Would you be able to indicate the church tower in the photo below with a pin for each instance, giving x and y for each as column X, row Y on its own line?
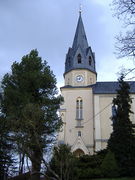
column 77, row 109
column 80, row 60
column 87, row 109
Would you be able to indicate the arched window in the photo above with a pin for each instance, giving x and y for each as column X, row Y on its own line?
column 79, row 133
column 79, row 108
column 90, row 60
column 79, row 59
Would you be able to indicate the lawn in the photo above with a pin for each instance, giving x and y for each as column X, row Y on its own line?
column 116, row 179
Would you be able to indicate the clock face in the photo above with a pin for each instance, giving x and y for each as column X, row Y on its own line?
column 79, row 78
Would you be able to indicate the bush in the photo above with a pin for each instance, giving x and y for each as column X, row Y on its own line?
column 109, row 167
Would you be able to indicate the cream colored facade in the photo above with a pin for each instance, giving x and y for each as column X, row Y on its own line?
column 71, row 125
column 88, row 77
column 87, row 109
column 96, row 125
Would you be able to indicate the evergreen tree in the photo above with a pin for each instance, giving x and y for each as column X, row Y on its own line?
column 6, row 160
column 122, row 139
column 6, row 147
column 30, row 105
column 109, row 167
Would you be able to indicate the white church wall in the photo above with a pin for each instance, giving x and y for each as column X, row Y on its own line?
column 71, row 128
column 102, row 122
column 102, row 114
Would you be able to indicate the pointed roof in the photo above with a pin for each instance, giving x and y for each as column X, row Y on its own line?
column 80, row 38
column 80, row 46
column 79, row 144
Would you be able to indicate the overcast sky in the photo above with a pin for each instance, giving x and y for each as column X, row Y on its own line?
column 49, row 26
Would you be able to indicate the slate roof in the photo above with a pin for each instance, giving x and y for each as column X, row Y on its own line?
column 80, row 38
column 110, row 87
column 80, row 47
column 105, row 87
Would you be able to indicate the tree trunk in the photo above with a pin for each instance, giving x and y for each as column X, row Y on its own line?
column 36, row 164
column 21, row 165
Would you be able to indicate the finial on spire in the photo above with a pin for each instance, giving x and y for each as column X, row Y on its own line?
column 80, row 9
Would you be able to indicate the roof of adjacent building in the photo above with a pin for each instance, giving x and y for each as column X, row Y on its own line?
column 105, row 87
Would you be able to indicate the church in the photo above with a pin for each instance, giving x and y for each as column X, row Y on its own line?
column 87, row 109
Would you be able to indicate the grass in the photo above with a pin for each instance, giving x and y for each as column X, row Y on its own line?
column 126, row 178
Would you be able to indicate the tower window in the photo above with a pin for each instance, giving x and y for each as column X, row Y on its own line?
column 79, row 109
column 79, row 133
column 79, row 59
column 90, row 60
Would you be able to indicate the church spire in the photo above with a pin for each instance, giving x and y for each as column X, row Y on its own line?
column 80, row 56
column 80, row 38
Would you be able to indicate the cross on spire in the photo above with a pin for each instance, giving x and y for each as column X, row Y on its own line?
column 80, row 9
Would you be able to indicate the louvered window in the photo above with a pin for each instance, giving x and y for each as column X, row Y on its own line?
column 79, row 59
column 90, row 60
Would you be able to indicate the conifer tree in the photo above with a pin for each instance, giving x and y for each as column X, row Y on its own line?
column 30, row 105
column 6, row 159
column 109, row 167
column 122, row 139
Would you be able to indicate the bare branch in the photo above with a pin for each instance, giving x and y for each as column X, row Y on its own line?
column 125, row 45
column 125, row 10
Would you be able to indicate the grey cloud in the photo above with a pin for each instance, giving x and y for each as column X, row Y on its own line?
column 49, row 26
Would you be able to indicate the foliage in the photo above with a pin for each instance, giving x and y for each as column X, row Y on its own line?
column 109, row 167
column 88, row 166
column 63, row 163
column 25, row 176
column 125, row 10
column 122, row 139
column 30, row 105
column 6, row 158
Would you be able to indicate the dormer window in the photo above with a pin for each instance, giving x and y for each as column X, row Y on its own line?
column 90, row 60
column 79, row 59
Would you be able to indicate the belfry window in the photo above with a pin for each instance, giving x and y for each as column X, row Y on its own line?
column 79, row 109
column 79, row 59
column 90, row 60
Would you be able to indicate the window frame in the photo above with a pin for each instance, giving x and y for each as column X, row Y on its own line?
column 79, row 109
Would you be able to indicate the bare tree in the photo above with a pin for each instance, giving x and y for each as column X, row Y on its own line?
column 125, row 11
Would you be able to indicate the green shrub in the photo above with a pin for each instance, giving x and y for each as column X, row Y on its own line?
column 109, row 167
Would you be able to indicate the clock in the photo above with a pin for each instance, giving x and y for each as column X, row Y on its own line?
column 79, row 78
